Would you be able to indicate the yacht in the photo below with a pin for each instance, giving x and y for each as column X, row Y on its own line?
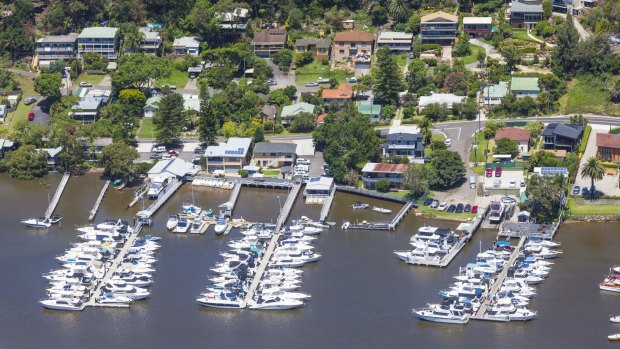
column 110, row 299
column 182, row 225
column 358, row 205
column 310, row 230
column 275, row 304
column 172, row 221
column 276, row 292
column 63, row 304
column 191, row 210
column 197, row 226
column 221, row 300
column 496, row 212
column 437, row 313
column 426, row 233
column 158, row 185
column 121, row 288
column 220, row 225
column 55, row 219
column 381, row 209
column 41, row 222
column 615, row 319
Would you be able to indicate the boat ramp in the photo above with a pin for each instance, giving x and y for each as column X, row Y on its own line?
column 93, row 212
column 54, row 202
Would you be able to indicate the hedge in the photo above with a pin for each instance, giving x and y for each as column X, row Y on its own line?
column 584, row 140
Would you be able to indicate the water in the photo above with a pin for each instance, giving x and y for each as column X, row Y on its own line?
column 361, row 295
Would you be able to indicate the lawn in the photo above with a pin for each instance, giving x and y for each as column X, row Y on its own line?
column 92, row 79
column 473, row 56
column 177, row 78
column 146, row 129
column 592, row 210
column 21, row 113
column 482, row 146
column 521, row 34
column 401, row 59
column 587, row 95
column 271, row 173
column 311, row 73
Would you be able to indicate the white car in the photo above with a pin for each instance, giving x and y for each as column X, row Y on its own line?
column 442, row 206
column 448, row 142
column 513, row 183
column 312, row 84
column 302, row 162
column 85, row 84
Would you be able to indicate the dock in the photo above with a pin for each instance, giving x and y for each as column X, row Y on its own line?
column 57, row 195
column 234, row 195
column 140, row 192
column 327, row 204
column 385, row 225
column 264, row 261
column 370, row 194
column 93, row 212
column 499, row 280
column 174, row 185
column 401, row 215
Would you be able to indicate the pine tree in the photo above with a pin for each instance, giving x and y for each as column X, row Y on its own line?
column 207, row 124
column 387, row 78
column 564, row 54
column 169, row 119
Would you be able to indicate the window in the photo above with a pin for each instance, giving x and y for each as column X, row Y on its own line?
column 352, row 45
column 341, row 52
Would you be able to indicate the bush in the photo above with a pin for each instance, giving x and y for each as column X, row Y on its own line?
column 304, row 58
column 243, row 173
column 432, row 62
column 584, row 140
column 430, row 47
column 383, row 185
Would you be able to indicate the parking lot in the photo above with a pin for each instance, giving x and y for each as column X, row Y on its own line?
column 507, row 180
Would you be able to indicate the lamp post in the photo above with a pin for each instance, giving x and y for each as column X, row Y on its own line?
column 475, row 154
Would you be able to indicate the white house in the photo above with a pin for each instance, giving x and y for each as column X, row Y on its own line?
column 187, row 45
column 229, row 157
column 173, row 168
column 447, row 99
column 318, row 189
column 3, row 113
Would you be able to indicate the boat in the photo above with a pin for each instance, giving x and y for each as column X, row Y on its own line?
column 309, row 230
column 381, row 209
column 209, row 212
column 345, row 225
column 41, row 222
column 221, row 300
column 119, row 184
column 358, row 205
column 275, row 304
column 108, row 298
column 614, row 337
column 496, row 212
column 55, row 219
column 320, row 224
column 63, row 304
column 197, row 226
column 221, row 225
column 158, row 185
column 437, row 313
column 182, row 225
column 614, row 319
column 172, row 221
column 191, row 210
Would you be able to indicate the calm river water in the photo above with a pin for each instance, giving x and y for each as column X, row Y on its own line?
column 361, row 295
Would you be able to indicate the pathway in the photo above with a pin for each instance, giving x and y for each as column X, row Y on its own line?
column 57, row 195
column 490, row 50
column 583, row 33
column 93, row 212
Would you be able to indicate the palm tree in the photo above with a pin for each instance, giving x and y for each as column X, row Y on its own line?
column 594, row 170
column 425, row 125
column 132, row 36
column 398, row 9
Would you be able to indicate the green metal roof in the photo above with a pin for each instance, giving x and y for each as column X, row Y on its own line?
column 369, row 109
column 524, row 84
column 497, row 90
column 294, row 109
column 98, row 32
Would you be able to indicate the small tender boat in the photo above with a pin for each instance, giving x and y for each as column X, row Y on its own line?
column 614, row 337
column 615, row 319
column 173, row 220
column 119, row 184
column 358, row 205
column 182, row 225
column 221, row 225
column 381, row 209
column 37, row 222
column 197, row 226
column 55, row 219
column 345, row 225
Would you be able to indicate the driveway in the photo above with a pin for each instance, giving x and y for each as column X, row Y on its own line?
column 609, row 184
column 446, row 54
column 282, row 79
column 580, row 29
column 490, row 50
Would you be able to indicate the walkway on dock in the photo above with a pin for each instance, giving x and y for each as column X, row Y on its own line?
column 234, row 195
column 284, row 213
column 500, row 279
column 93, row 212
column 116, row 262
column 371, row 193
column 140, row 192
column 327, row 204
column 401, row 215
column 170, row 189
column 57, row 195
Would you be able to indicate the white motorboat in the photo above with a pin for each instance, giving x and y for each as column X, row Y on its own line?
column 63, row 304
column 172, row 221
column 614, row 337
column 320, row 224
column 55, row 219
column 197, row 226
column 221, row 225
column 37, row 222
column 158, row 185
column 309, row 230
column 615, row 319
column 381, row 209
column 275, row 304
column 221, row 300
column 121, row 288
column 436, row 313
column 192, row 211
column 358, row 205
column 183, row 225
column 276, row 292
column 111, row 299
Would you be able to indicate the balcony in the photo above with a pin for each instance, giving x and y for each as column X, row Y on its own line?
column 400, row 146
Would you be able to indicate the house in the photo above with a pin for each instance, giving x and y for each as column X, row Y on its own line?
column 475, row 26
column 55, row 47
column 354, row 46
column 563, row 6
column 233, row 24
column 373, row 111
column 52, row 155
column 525, row 13
column 268, row 112
column 447, row 99
column 608, row 146
column 373, row 172
column 395, row 41
column 318, row 189
column 5, row 145
column 229, row 157
column 290, row 111
column 519, row 135
column 3, row 113
column 190, row 103
column 524, row 86
column 193, row 72
column 274, row 155
column 493, row 94
column 86, row 110
column 268, row 41
column 151, row 41
column 319, row 47
column 187, row 45
column 348, row 24
column 404, row 141
column 172, row 168
column 438, row 28
column 150, row 106
column 341, row 95
column 103, row 40
column 556, row 135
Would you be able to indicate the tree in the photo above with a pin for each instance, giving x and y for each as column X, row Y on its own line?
column 283, row 59
column 481, row 57
column 57, row 66
column 544, row 194
column 615, row 93
column 462, row 48
column 436, row 112
column 535, row 128
column 413, row 24
column 131, row 102
column 416, row 180
column 388, row 112
column 229, row 129
column 383, row 185
column 128, row 11
column 259, row 135
column 117, row 160
column 387, row 80
column 48, row 85
column 448, row 169
column 95, row 61
column 378, row 15
column 506, row 146
column 491, row 126
column 547, row 8
column 27, row 163
column 593, row 169
column 169, row 119
column 571, row 162
column 203, row 22
column 132, row 37
column 511, row 56
column 456, row 82
column 303, row 122
column 304, row 58
column 564, row 53
column 295, row 18
column 544, row 159
column 578, row 119
column 417, row 76
column 425, row 126
column 351, row 178
column 139, row 71
column 7, row 81
column 25, row 132
column 398, row 9
column 208, row 124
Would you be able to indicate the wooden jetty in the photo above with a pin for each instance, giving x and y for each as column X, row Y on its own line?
column 61, row 188
column 385, row 225
column 140, row 192
column 174, row 185
column 93, row 212
column 327, row 204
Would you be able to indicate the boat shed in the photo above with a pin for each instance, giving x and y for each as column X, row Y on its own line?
column 319, row 187
column 177, row 168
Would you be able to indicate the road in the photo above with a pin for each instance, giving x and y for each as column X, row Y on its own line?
column 282, row 79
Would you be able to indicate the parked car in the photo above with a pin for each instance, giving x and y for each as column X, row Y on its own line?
column 302, row 162
column 160, row 149
column 30, row 116
column 522, row 183
column 448, row 142
column 576, row 190
column 411, row 55
column 173, row 153
column 509, row 200
column 585, row 191
column 428, row 201
column 442, row 206
column 467, row 208
column 166, row 156
column 451, row 208
column 352, row 80
column 85, row 84
column 198, row 150
column 489, row 172
column 155, row 155
column 513, row 183
column 196, row 160
column 312, row 84
column 497, row 183
column 498, row 172
column 474, row 209
column 272, row 82
column 434, row 204
column 29, row 100
column 459, row 208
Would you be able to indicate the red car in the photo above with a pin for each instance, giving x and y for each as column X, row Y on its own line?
column 474, row 209
column 498, row 172
column 173, row 153
column 30, row 116
column 489, row 172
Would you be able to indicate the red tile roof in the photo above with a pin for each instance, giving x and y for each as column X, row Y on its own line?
column 344, row 91
column 514, row 133
column 320, row 119
column 392, row 168
column 354, row 36
column 607, row 141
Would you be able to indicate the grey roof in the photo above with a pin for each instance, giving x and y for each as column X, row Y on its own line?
column 268, row 110
column 6, row 143
column 264, row 147
column 71, row 37
column 149, row 33
column 98, row 32
column 568, row 131
column 186, row 41
column 325, row 43
column 88, row 104
column 176, row 166
column 518, row 6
